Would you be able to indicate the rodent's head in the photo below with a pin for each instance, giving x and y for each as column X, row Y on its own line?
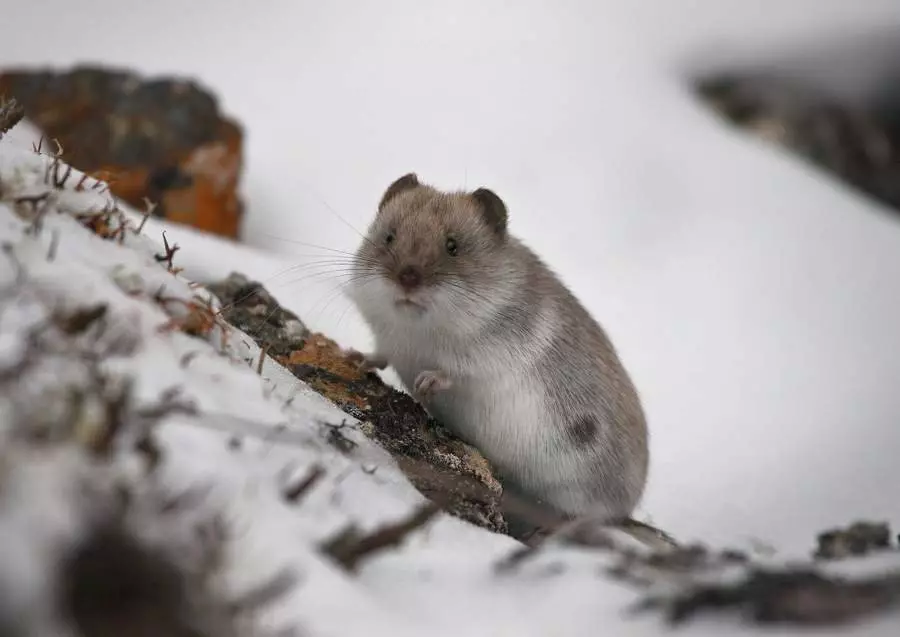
column 432, row 247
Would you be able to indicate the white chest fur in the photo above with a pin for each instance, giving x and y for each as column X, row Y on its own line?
column 497, row 401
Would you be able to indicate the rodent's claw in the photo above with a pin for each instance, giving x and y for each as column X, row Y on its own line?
column 430, row 382
column 366, row 362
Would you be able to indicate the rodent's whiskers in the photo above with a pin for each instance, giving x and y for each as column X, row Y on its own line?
column 341, row 261
column 310, row 245
column 325, row 268
column 348, row 275
column 341, row 219
column 390, row 252
column 335, row 292
column 331, row 295
column 338, row 256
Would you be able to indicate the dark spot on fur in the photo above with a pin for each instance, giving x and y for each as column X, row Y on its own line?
column 584, row 430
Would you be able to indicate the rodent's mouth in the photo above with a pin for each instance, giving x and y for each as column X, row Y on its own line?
column 409, row 304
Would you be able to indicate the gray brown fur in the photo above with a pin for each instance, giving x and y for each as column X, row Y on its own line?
column 531, row 379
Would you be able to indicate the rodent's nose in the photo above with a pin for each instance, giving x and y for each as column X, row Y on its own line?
column 410, row 277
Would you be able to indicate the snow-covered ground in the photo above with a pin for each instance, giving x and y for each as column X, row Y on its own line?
column 443, row 580
column 752, row 298
column 281, row 423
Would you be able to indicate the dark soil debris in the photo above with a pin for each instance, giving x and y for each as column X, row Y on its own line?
column 337, row 439
column 112, row 585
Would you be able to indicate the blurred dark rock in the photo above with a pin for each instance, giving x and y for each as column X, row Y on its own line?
column 860, row 538
column 861, row 146
column 786, row 596
column 164, row 139
column 11, row 113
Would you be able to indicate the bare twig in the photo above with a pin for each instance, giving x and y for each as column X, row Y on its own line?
column 56, row 175
column 117, row 406
column 54, row 245
column 39, row 205
column 148, row 447
column 151, row 207
column 9, row 250
column 188, row 499
column 262, row 359
column 298, row 490
column 169, row 256
column 515, row 558
column 169, row 403
column 79, row 187
column 266, row 593
column 349, row 547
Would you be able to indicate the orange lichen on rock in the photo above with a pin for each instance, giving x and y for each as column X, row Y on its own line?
column 204, row 194
column 320, row 351
column 162, row 139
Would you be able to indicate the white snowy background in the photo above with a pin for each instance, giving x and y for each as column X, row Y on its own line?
column 753, row 298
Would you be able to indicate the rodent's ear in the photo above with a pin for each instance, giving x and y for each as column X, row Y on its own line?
column 493, row 209
column 406, row 182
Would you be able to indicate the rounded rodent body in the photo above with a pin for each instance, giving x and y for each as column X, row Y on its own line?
column 499, row 351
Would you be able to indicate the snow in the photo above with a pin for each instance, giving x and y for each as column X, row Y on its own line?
column 752, row 297
column 442, row 581
column 232, row 398
column 282, row 423
column 749, row 295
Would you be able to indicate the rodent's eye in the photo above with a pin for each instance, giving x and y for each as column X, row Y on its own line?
column 389, row 238
column 452, row 248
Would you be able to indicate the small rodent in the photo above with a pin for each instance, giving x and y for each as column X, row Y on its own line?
column 499, row 351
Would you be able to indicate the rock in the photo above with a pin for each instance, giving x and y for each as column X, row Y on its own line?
column 856, row 145
column 249, row 307
column 451, row 473
column 162, row 138
column 800, row 597
column 768, row 593
column 860, row 538
column 11, row 113
column 443, row 468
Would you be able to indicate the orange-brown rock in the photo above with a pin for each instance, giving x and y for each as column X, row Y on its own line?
column 163, row 139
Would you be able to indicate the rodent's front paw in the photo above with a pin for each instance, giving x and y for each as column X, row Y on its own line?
column 429, row 382
column 366, row 362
